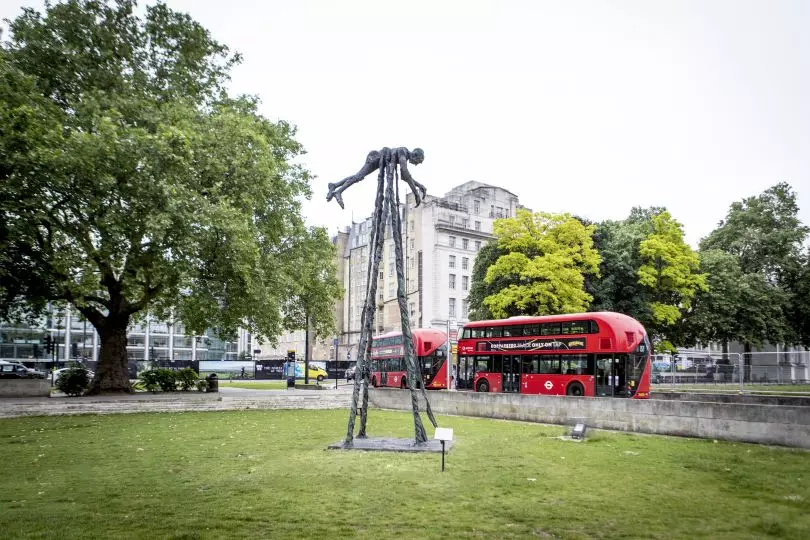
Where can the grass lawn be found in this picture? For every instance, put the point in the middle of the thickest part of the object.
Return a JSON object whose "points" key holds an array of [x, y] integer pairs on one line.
{"points": [[253, 474], [255, 385], [788, 389]]}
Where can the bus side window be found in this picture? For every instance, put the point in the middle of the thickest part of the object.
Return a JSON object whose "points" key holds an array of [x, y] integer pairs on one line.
{"points": [[550, 329], [494, 331]]}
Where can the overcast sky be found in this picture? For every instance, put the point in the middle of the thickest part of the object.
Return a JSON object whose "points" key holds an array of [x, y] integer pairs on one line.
{"points": [[587, 107]]}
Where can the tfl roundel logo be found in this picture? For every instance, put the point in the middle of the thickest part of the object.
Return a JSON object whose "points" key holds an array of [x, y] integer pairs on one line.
{"points": [[549, 385]]}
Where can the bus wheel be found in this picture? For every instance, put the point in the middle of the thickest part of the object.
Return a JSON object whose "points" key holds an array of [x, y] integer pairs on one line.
{"points": [[483, 386], [374, 382], [404, 383], [575, 389], [320, 378]]}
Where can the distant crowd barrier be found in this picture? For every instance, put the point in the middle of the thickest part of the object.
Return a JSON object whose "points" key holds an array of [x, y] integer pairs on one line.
{"points": [[755, 423]]}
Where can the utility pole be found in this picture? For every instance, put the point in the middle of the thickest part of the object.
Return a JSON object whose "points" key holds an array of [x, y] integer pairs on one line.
{"points": [[306, 352]]}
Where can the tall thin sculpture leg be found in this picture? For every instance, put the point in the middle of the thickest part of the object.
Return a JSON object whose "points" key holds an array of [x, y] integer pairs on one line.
{"points": [[367, 318], [396, 229], [407, 337]]}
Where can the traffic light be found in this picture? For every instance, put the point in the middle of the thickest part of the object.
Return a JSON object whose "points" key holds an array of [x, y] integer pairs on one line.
{"points": [[291, 356], [48, 344]]}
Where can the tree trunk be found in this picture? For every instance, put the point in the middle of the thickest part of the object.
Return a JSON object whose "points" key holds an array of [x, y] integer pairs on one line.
{"points": [[112, 374]]}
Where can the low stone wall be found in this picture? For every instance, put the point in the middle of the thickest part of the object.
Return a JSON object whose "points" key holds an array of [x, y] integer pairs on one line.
{"points": [[14, 388], [758, 399], [754, 423]]}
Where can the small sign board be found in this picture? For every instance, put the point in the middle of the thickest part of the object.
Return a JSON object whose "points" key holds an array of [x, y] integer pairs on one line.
{"points": [[443, 434]]}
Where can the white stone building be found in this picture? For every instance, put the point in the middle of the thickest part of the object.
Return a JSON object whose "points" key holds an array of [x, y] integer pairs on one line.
{"points": [[440, 239]]}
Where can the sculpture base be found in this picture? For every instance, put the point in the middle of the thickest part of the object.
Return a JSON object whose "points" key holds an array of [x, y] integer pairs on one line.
{"points": [[391, 445]]}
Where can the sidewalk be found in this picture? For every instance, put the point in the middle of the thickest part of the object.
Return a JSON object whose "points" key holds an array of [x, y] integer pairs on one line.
{"points": [[173, 402]]}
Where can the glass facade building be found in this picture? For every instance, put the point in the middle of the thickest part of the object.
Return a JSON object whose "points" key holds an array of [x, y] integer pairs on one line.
{"points": [[148, 340]]}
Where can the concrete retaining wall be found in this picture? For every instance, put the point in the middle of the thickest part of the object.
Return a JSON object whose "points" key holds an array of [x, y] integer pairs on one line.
{"points": [[758, 399], [25, 388], [755, 423]]}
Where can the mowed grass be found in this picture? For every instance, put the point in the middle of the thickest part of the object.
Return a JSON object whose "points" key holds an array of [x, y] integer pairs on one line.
{"points": [[267, 474], [777, 389], [254, 385]]}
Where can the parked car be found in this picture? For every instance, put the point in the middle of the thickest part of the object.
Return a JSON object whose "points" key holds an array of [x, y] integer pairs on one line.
{"points": [[317, 373], [350, 373], [9, 370]]}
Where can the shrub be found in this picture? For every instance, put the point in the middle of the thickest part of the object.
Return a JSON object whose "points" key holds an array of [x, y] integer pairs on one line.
{"points": [[187, 378], [202, 386], [159, 379], [74, 381]]}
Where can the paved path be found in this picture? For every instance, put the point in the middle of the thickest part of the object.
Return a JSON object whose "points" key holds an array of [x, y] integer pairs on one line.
{"points": [[228, 399]]}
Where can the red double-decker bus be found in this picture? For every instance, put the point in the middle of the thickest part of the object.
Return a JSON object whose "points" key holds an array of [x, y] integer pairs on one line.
{"points": [[388, 359], [581, 354]]}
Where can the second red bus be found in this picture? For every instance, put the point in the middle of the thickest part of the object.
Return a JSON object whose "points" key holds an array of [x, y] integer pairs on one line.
{"points": [[388, 359]]}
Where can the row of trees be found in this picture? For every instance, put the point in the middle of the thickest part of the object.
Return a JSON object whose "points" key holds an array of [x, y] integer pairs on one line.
{"points": [[749, 281], [131, 181]]}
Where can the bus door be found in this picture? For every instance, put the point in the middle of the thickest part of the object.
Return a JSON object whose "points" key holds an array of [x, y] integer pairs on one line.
{"points": [[384, 371], [511, 374], [464, 379], [604, 375]]}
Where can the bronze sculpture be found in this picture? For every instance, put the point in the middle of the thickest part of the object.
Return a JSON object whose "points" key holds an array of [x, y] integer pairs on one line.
{"points": [[391, 164]]}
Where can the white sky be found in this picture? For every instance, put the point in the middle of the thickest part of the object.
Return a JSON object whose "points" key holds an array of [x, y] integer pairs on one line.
{"points": [[587, 107]]}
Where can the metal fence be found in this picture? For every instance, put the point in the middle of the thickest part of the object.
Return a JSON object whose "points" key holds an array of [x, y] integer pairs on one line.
{"points": [[743, 369]]}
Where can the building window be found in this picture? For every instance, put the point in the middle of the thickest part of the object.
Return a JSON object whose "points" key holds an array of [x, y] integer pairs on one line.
{"points": [[465, 223], [391, 252], [464, 308], [477, 207], [381, 274], [391, 269], [410, 262], [411, 225], [465, 243], [410, 243], [381, 297], [451, 311], [478, 245], [412, 307], [477, 225], [452, 241], [452, 261], [465, 263], [452, 282], [391, 290], [465, 281], [452, 219]]}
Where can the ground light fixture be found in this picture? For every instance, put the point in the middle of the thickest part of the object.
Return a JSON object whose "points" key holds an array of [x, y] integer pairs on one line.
{"points": [[578, 433], [443, 434]]}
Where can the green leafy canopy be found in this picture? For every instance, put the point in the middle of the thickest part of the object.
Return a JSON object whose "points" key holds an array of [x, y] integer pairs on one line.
{"points": [[130, 180]]}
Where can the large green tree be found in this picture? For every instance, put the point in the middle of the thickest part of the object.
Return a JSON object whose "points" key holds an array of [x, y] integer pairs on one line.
{"points": [[479, 288], [765, 236], [131, 181], [542, 266], [669, 270]]}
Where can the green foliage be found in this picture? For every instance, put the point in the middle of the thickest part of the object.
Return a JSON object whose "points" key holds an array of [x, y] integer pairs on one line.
{"points": [[617, 288], [74, 381], [187, 379], [542, 267], [669, 270], [161, 379], [765, 237], [131, 181], [479, 288]]}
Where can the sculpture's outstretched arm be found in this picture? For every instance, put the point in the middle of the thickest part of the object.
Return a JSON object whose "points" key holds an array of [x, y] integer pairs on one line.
{"points": [[372, 164], [418, 189]]}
